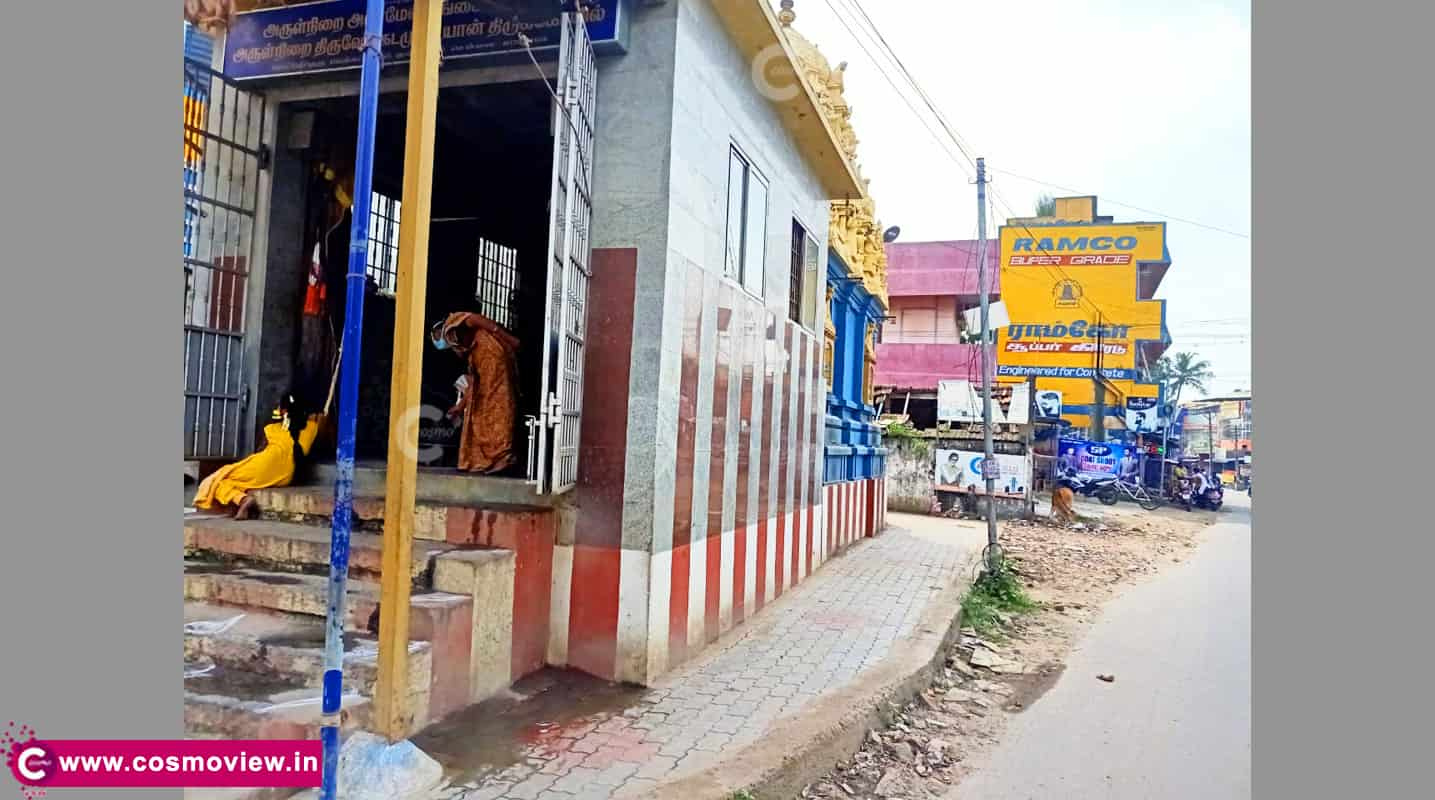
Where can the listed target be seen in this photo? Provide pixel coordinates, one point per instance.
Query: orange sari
(491, 402)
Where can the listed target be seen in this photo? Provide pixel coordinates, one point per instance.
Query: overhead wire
(956, 138)
(963, 148)
(900, 95)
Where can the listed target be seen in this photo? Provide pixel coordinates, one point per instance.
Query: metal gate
(554, 465)
(223, 155)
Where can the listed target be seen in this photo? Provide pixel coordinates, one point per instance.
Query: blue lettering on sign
(1078, 329)
(1020, 371)
(1068, 244)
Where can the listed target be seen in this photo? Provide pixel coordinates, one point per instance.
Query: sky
(1144, 103)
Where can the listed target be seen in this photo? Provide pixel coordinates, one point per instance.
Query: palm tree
(1181, 371)
(1176, 373)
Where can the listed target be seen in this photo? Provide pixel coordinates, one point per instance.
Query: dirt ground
(1070, 571)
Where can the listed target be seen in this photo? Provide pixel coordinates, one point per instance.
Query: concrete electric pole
(988, 460)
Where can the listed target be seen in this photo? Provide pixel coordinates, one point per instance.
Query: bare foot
(246, 509)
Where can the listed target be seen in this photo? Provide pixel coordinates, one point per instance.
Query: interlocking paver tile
(820, 636)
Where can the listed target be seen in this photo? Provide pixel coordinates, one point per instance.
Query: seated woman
(287, 441)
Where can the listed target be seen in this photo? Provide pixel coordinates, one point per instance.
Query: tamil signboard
(291, 38)
(961, 471)
(1073, 292)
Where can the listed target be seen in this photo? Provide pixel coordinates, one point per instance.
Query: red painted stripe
(530, 535)
(694, 308)
(722, 377)
(739, 575)
(714, 585)
(760, 596)
(779, 563)
(593, 620)
(764, 462)
(678, 606)
(750, 356)
(871, 508)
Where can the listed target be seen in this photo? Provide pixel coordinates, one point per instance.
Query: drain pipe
(349, 395)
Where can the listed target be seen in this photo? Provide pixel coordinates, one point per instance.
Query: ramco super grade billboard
(1071, 293)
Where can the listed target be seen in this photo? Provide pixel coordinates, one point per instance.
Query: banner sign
(1142, 415)
(960, 470)
(326, 35)
(958, 401)
(1096, 459)
(1048, 404)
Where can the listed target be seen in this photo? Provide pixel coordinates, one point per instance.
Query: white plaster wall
(715, 104)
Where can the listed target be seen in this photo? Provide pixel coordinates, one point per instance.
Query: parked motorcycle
(1101, 487)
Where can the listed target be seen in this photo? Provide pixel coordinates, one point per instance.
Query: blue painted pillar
(333, 686)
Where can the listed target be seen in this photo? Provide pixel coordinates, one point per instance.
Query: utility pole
(993, 554)
(1098, 389)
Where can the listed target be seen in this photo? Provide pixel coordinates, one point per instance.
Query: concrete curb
(799, 749)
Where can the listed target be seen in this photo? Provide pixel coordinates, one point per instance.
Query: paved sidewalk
(591, 740)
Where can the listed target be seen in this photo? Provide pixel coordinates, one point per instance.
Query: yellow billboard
(1078, 319)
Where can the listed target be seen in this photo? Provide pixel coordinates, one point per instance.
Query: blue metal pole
(349, 395)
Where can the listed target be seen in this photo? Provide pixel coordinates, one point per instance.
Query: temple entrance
(487, 243)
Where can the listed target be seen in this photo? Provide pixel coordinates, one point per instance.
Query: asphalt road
(1176, 723)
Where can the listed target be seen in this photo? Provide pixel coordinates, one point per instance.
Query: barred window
(497, 282)
(383, 261)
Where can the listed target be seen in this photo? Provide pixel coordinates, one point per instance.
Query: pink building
(930, 284)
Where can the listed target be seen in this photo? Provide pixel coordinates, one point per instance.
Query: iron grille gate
(554, 464)
(223, 154)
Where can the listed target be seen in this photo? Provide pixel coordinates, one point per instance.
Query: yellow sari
(270, 467)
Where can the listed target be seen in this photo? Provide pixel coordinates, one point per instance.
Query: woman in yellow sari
(287, 440)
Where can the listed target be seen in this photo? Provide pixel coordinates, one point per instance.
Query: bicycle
(1136, 492)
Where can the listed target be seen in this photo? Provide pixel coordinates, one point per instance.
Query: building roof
(940, 268)
(759, 36)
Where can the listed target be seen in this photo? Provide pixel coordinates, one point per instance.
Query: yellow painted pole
(392, 691)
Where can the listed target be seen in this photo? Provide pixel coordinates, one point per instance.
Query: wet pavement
(565, 735)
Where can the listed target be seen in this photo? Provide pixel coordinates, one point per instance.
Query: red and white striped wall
(744, 515)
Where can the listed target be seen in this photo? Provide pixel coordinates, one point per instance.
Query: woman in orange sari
(491, 400)
(287, 440)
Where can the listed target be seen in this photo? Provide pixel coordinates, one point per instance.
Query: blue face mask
(440, 344)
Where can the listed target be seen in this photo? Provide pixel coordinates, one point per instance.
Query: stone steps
(301, 593)
(286, 646)
(441, 487)
(294, 547)
(292, 713)
(478, 613)
(470, 522)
